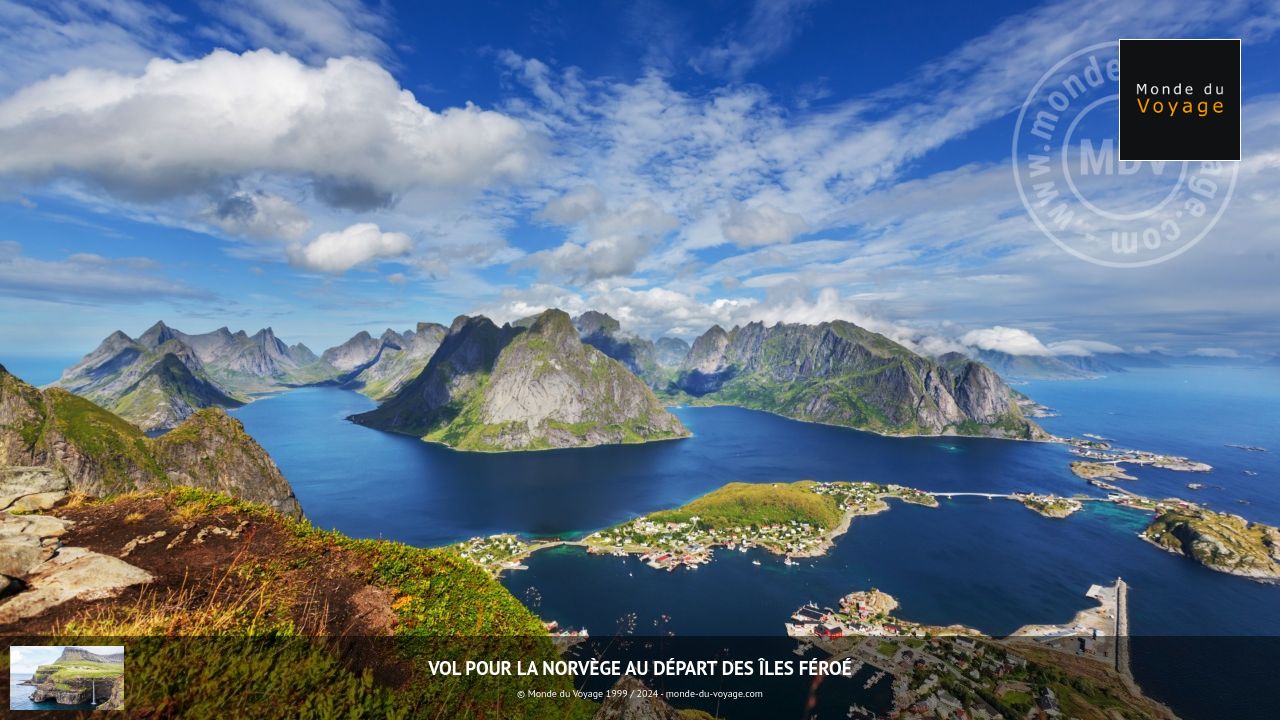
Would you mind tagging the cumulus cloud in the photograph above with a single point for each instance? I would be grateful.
(340, 251)
(193, 126)
(608, 243)
(574, 206)
(762, 224)
(1005, 339)
(258, 215)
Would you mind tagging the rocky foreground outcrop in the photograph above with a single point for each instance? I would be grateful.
(39, 573)
(53, 442)
(266, 617)
(524, 388)
(841, 374)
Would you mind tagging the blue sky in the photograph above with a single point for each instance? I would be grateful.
(329, 166)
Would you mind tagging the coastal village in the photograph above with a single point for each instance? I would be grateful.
(958, 672)
(802, 520)
(690, 543)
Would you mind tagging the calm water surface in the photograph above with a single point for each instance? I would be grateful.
(992, 565)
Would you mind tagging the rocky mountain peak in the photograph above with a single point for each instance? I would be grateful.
(157, 335)
(554, 323)
(592, 322)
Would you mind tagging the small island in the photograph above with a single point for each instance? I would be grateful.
(1050, 506)
(1096, 471)
(1219, 541)
(799, 519)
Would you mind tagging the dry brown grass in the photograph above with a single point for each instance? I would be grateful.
(134, 517)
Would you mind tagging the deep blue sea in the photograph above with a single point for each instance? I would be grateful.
(993, 565)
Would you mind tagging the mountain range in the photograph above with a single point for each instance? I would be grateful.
(165, 375)
(842, 374)
(523, 387)
(542, 381)
(379, 368)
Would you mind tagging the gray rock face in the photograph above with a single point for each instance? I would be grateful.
(379, 368)
(31, 488)
(839, 373)
(26, 541)
(211, 450)
(72, 573)
(358, 351)
(165, 375)
(508, 388)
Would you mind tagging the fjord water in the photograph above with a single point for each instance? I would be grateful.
(993, 565)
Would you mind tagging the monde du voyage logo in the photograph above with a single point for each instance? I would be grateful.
(1128, 165)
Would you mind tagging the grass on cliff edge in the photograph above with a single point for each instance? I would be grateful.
(744, 504)
(262, 625)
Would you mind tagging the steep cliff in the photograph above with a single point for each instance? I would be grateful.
(512, 388)
(95, 452)
(839, 373)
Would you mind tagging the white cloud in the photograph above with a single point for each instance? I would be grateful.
(186, 127)
(258, 215)
(314, 30)
(338, 252)
(85, 278)
(762, 224)
(1083, 348)
(607, 243)
(42, 39)
(574, 206)
(1005, 339)
(770, 28)
(1216, 352)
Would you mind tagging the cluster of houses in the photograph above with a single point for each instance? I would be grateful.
(930, 668)
(495, 553)
(867, 496)
(1139, 457)
(669, 545)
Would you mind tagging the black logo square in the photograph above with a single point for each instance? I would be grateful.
(1180, 100)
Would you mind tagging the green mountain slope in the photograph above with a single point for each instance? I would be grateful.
(99, 453)
(517, 388)
(841, 374)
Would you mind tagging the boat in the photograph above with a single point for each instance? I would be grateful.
(755, 562)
